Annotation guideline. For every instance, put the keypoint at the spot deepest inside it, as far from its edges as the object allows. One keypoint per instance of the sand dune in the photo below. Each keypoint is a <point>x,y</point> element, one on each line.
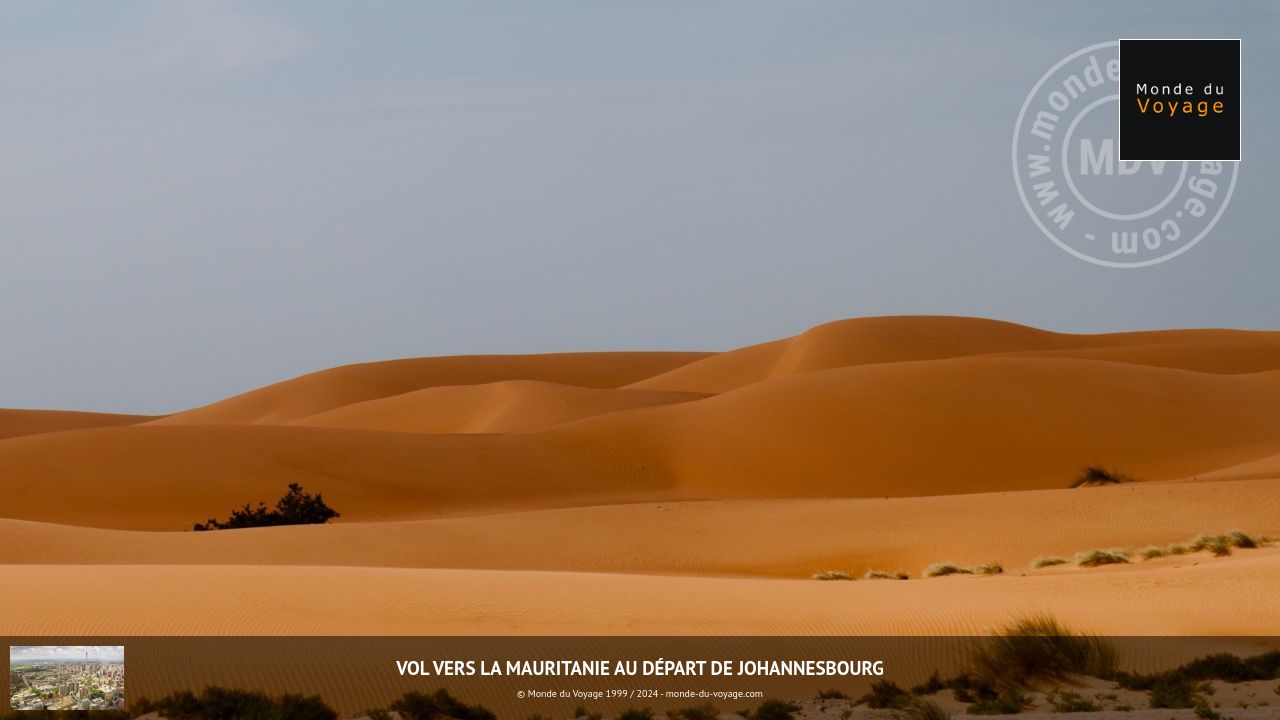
<point>722,538</point>
<point>17,423</point>
<point>502,407</point>
<point>328,389</point>
<point>672,492</point>
<point>865,341</point>
<point>168,477</point>
<point>945,427</point>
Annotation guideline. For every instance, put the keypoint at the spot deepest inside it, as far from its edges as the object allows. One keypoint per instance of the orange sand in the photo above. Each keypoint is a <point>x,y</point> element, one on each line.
<point>658,493</point>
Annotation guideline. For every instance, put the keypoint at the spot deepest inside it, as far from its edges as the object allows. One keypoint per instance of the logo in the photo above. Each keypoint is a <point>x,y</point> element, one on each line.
<point>1107,211</point>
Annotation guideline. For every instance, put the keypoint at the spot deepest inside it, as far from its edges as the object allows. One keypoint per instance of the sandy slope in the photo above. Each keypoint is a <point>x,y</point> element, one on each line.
<point>272,600</point>
<point>941,427</point>
<point>672,492</point>
<point>17,423</point>
<point>770,538</point>
<point>501,407</point>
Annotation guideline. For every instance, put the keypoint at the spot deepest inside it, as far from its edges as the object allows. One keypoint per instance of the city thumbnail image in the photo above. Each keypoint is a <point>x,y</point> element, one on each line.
<point>66,677</point>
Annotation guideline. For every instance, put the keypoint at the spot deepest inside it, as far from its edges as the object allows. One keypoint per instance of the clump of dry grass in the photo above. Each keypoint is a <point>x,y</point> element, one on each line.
<point>1178,549</point>
<point>943,569</point>
<point>877,574</point>
<point>1045,561</point>
<point>1099,557</point>
<point>832,575</point>
<point>1216,544</point>
<point>1039,648</point>
<point>1151,552</point>
<point>990,569</point>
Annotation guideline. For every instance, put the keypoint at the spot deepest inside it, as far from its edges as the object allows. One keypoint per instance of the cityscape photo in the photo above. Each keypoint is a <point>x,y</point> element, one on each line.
<point>66,677</point>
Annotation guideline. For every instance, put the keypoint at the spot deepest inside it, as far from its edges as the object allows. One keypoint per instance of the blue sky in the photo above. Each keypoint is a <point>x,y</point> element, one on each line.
<point>204,197</point>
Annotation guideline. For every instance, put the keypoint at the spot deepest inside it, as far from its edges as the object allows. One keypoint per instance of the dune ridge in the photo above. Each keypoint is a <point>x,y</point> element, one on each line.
<point>567,483</point>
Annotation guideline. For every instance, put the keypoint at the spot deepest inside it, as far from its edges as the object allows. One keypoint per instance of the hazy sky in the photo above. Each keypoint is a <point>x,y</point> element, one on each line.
<point>96,653</point>
<point>200,198</point>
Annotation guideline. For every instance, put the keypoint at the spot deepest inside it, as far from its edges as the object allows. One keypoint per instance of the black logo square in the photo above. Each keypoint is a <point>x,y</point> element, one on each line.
<point>1179,99</point>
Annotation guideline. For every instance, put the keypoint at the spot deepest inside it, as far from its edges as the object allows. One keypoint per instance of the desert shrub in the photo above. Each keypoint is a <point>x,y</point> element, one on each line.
<point>695,712</point>
<point>990,569</point>
<point>1094,475</point>
<point>1151,552</point>
<point>295,508</point>
<point>931,686</point>
<point>1242,540</point>
<point>1039,648</point>
<point>1173,691</point>
<point>1045,561</point>
<point>1067,701</point>
<point>582,713</point>
<point>946,568</point>
<point>436,705</point>
<point>216,703</point>
<point>1009,702</point>
<point>886,694</point>
<point>926,710</point>
<point>1207,713</point>
<point>1178,549</point>
<point>1219,545</point>
<point>1096,558</point>
<point>832,575</point>
<point>832,694</point>
<point>876,574</point>
<point>380,714</point>
<point>775,710</point>
<point>636,714</point>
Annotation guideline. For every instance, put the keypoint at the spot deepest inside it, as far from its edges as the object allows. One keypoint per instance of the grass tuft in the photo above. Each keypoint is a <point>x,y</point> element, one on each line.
<point>1097,558</point>
<point>943,569</point>
<point>1040,648</point>
<point>832,575</point>
<point>876,574</point>
<point>1151,552</point>
<point>1045,561</point>
<point>990,569</point>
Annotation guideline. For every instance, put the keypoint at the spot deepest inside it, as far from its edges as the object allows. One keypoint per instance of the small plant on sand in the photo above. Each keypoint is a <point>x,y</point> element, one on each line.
<point>832,694</point>
<point>886,694</point>
<point>1207,713</point>
<point>989,569</point>
<point>634,713</point>
<point>1096,558</point>
<point>1095,475</point>
<point>1219,545</point>
<point>295,508</point>
<point>832,575</point>
<point>1009,702</point>
<point>1178,549</point>
<point>582,713</point>
<point>1039,648</point>
<point>1065,701</point>
<point>946,568</point>
<point>1045,561</point>
<point>1151,552</point>
<point>775,710</point>
<point>926,710</point>
<point>1244,541</point>
<point>935,684</point>
<point>875,574</point>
